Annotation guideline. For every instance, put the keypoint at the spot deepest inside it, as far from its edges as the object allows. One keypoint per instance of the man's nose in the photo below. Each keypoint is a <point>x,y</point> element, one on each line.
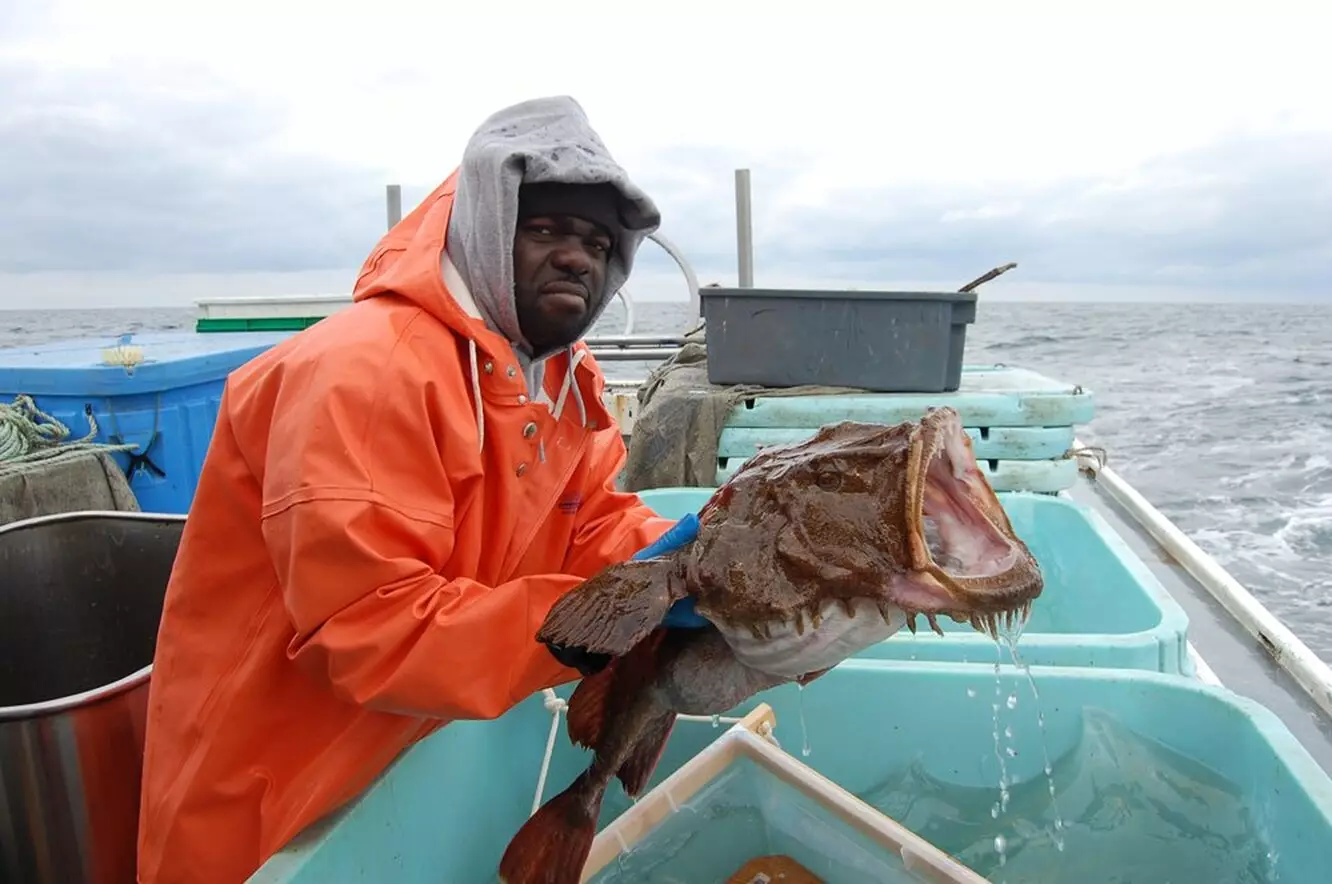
<point>571,256</point>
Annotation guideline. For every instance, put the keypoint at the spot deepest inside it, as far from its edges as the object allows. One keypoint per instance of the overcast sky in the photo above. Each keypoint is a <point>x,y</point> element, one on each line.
<point>155,152</point>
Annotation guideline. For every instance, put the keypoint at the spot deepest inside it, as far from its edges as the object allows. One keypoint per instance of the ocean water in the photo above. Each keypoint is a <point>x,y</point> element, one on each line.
<point>1220,414</point>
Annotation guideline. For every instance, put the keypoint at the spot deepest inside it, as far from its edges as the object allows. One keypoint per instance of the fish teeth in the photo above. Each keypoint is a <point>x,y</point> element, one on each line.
<point>934,624</point>
<point>911,622</point>
<point>885,611</point>
<point>799,621</point>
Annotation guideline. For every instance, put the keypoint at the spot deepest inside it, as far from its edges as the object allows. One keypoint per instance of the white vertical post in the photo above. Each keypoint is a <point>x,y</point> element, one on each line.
<point>744,229</point>
<point>394,204</point>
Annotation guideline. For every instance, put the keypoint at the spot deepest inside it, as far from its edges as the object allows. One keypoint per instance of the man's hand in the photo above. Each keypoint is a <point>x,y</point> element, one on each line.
<point>585,662</point>
<point>682,533</point>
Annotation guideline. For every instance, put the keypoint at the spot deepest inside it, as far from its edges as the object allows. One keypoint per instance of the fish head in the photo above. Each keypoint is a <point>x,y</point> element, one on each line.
<point>900,516</point>
<point>964,552</point>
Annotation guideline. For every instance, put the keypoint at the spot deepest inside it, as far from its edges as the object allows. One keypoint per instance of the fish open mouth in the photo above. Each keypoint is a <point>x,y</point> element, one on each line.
<point>963,540</point>
<point>960,538</point>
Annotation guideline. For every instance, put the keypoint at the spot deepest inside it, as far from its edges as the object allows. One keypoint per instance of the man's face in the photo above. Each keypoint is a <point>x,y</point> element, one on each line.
<point>559,271</point>
<point>560,253</point>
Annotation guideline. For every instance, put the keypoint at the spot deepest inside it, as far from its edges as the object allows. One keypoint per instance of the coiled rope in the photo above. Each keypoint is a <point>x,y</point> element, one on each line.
<point>29,435</point>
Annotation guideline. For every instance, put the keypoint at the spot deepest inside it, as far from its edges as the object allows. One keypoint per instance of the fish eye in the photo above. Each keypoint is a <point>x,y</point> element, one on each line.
<point>829,480</point>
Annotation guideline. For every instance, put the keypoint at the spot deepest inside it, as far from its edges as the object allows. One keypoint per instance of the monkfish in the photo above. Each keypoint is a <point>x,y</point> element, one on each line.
<point>810,553</point>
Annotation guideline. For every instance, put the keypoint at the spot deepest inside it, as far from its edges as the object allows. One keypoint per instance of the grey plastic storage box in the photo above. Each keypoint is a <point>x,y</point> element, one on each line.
<point>887,342</point>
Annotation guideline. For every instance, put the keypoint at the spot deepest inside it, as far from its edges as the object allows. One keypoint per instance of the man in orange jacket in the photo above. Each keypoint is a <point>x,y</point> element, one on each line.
<point>392,501</point>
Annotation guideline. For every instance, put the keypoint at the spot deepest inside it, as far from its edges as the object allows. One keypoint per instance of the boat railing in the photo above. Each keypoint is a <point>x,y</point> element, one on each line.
<point>628,346</point>
<point>1286,649</point>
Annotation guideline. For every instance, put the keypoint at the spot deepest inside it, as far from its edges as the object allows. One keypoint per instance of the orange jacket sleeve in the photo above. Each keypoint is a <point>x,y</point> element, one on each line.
<point>361,547</point>
<point>376,621</point>
<point>613,525</point>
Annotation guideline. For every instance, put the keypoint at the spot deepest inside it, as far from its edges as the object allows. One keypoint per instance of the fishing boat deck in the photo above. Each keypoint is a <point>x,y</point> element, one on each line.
<point>1238,660</point>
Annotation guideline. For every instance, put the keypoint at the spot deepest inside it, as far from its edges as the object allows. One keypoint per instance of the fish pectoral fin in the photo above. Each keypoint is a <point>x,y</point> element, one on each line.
<point>616,609</point>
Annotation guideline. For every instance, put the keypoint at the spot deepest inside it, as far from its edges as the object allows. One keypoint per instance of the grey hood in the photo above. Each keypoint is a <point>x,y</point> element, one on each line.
<point>542,140</point>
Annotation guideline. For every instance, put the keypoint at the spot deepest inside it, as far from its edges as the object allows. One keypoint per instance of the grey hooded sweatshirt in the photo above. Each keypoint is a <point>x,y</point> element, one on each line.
<point>542,140</point>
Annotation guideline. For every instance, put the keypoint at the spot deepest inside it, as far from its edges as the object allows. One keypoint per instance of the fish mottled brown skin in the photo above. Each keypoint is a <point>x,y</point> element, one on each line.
<point>811,553</point>
<point>843,517</point>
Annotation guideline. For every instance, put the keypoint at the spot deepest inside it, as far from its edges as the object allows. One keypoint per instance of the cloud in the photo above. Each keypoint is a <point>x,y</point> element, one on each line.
<point>1250,211</point>
<point>99,172</point>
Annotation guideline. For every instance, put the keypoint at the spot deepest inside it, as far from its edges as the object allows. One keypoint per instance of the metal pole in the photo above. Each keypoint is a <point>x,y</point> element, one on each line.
<point>394,204</point>
<point>744,229</point>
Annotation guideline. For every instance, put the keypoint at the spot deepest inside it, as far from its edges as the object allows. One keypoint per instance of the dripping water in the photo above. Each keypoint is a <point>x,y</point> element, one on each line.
<point>804,731</point>
<point>1011,636</point>
<point>1001,805</point>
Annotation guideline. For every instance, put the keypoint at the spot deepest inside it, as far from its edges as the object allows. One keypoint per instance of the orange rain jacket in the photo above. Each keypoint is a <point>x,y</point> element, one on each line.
<point>365,560</point>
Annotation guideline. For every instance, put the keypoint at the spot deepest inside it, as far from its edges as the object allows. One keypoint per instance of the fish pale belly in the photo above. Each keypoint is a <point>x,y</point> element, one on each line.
<point>789,653</point>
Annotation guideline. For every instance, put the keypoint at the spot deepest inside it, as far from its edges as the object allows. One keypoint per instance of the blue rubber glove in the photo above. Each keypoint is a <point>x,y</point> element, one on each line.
<point>682,533</point>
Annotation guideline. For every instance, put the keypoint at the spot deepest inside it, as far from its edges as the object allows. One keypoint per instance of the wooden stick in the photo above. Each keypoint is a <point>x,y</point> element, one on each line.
<point>981,280</point>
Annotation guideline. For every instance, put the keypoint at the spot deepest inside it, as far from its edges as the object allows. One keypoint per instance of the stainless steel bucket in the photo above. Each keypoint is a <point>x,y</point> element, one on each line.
<point>80,601</point>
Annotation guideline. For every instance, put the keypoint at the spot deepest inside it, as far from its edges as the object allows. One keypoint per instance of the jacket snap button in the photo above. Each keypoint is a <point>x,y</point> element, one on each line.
<point>522,399</point>
<point>511,371</point>
<point>530,430</point>
<point>522,468</point>
<point>489,368</point>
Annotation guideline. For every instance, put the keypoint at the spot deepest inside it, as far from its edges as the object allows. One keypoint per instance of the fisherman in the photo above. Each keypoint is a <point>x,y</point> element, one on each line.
<point>392,501</point>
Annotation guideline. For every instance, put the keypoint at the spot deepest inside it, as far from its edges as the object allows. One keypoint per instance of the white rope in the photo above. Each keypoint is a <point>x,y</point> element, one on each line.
<point>555,706</point>
<point>29,435</point>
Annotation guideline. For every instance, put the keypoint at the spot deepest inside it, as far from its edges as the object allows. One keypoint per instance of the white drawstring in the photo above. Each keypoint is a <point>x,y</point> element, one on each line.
<point>574,359</point>
<point>476,393</point>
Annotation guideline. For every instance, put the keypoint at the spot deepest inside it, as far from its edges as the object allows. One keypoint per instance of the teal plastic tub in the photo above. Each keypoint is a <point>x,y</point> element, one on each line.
<point>1155,778</point>
<point>1101,605</point>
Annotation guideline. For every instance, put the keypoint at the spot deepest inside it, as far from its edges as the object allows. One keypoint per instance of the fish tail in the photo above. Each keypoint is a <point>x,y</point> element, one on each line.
<point>552,846</point>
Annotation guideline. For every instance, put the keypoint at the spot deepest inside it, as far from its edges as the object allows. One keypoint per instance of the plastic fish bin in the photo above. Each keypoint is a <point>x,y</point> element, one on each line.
<point>1020,423</point>
<point>909,342</point>
<point>743,809</point>
<point>1156,778</point>
<point>1101,605</point>
<point>160,391</point>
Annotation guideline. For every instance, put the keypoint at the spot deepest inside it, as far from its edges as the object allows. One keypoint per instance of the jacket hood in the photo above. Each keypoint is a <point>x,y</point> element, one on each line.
<point>545,140</point>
